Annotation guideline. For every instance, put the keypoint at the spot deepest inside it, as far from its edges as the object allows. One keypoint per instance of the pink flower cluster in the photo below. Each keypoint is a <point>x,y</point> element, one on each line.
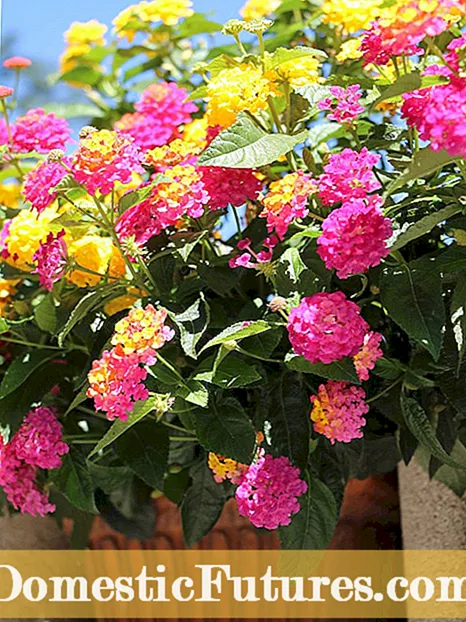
<point>116,379</point>
<point>245,259</point>
<point>344,104</point>
<point>106,157</point>
<point>287,200</point>
<point>166,205</point>
<point>38,444</point>
<point>325,328</point>
<point>354,237</point>
<point>338,411</point>
<point>365,359</point>
<point>269,492</point>
<point>41,180</point>
<point>439,114</point>
<point>51,259</point>
<point>160,112</point>
<point>116,383</point>
<point>229,186</point>
<point>348,175</point>
<point>39,131</point>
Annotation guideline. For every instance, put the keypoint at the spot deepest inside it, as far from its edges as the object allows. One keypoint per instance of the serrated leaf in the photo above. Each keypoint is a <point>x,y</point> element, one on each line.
<point>239,331</point>
<point>226,429</point>
<point>314,93</point>
<point>21,369</point>
<point>424,163</point>
<point>107,478</point>
<point>194,392</point>
<point>78,399</point>
<point>202,504</point>
<point>144,449</point>
<point>197,24</point>
<point>294,265</point>
<point>45,314</point>
<point>74,481</point>
<point>134,197</point>
<point>412,296</point>
<point>199,93</point>
<point>423,226</point>
<point>246,145</point>
<point>322,131</point>
<point>340,370</point>
<point>192,324</point>
<point>68,182</point>
<point>420,426</point>
<point>313,527</point>
<point>141,409</point>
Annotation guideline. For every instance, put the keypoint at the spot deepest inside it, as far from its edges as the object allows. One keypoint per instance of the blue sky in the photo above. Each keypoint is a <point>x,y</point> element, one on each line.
<point>39,24</point>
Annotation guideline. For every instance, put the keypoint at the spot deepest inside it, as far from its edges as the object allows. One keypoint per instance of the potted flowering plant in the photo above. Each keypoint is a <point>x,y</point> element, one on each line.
<point>245,277</point>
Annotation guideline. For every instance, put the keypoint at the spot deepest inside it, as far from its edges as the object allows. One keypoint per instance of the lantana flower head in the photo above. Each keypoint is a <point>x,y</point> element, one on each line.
<point>348,175</point>
<point>116,383</point>
<point>17,62</point>
<point>143,331</point>
<point>51,259</point>
<point>229,186</point>
<point>104,158</point>
<point>22,236</point>
<point>338,411</point>
<point>41,180</point>
<point>286,200</point>
<point>439,114</point>
<point>233,90</point>
<point>352,15</point>
<point>86,32</point>
<point>269,492</point>
<point>297,72</point>
<point>326,327</point>
<point>354,237</point>
<point>169,201</point>
<point>169,12</point>
<point>160,112</point>
<point>344,104</point>
<point>40,131</point>
<point>99,256</point>
<point>226,468</point>
<point>256,9</point>
<point>366,358</point>
<point>5,91</point>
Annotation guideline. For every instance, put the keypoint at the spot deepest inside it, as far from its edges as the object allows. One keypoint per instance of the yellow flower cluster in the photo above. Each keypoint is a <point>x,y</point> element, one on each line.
<point>352,15</point>
<point>25,233</point>
<point>80,37</point>
<point>256,9</point>
<point>299,72</point>
<point>98,255</point>
<point>233,90</point>
<point>126,301</point>
<point>169,12</point>
<point>172,154</point>
<point>196,132</point>
<point>9,195</point>
<point>224,468</point>
<point>350,50</point>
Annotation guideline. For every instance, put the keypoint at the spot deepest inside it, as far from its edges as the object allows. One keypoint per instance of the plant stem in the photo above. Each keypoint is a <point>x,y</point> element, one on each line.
<point>237,220</point>
<point>256,356</point>
<point>183,439</point>
<point>174,427</point>
<point>384,392</point>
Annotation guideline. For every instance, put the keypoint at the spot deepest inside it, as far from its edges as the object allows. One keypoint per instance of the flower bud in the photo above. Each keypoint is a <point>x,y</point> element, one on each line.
<point>55,155</point>
<point>86,130</point>
<point>233,27</point>
<point>258,26</point>
<point>278,303</point>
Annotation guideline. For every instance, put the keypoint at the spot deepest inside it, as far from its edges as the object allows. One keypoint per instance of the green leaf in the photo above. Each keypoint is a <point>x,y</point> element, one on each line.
<point>107,478</point>
<point>4,326</point>
<point>264,344</point>
<point>68,182</point>
<point>226,429</point>
<point>239,331</point>
<point>284,55</point>
<point>134,197</point>
<point>404,84</point>
<point>175,486</point>
<point>78,399</point>
<point>22,368</point>
<point>287,418</point>
<point>424,163</point>
<point>202,504</point>
<point>292,264</point>
<point>200,93</point>
<point>340,370</point>
<point>192,324</point>
<point>194,392</point>
<point>246,145</point>
<point>420,426</point>
<point>390,369</point>
<point>452,260</point>
<point>83,74</point>
<point>230,373</point>
<point>458,318</point>
<point>197,24</point>
<point>74,481</point>
<point>141,409</point>
<point>323,131</point>
<point>314,93</point>
<point>144,449</point>
<point>45,314</point>
<point>313,527</point>
<point>423,226</point>
<point>74,111</point>
<point>412,296</point>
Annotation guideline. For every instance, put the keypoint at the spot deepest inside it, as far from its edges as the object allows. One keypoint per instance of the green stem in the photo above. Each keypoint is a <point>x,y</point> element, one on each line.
<point>237,220</point>
<point>256,356</point>
<point>384,392</point>
<point>240,45</point>
<point>275,115</point>
<point>174,427</point>
<point>183,439</point>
